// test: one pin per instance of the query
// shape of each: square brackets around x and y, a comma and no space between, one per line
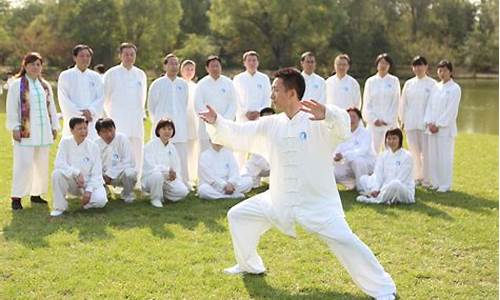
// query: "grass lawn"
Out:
[443,247]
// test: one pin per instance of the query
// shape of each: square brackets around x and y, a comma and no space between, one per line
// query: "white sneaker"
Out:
[56,213]
[442,190]
[362,198]
[129,199]
[234,270]
[156,203]
[386,297]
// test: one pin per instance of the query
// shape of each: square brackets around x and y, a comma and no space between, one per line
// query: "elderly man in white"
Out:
[298,143]
[80,91]
[341,88]
[315,84]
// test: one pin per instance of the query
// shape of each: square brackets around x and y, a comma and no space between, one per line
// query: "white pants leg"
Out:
[208,192]
[416,144]
[445,153]
[395,192]
[365,184]
[361,166]
[98,198]
[174,190]
[136,145]
[243,185]
[160,189]
[153,184]
[29,171]
[193,153]
[62,186]
[425,159]
[204,145]
[433,159]
[127,179]
[182,151]
[378,139]
[344,174]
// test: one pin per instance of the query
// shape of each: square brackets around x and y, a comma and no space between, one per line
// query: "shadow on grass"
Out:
[258,288]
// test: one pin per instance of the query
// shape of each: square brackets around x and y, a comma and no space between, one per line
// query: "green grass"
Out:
[443,247]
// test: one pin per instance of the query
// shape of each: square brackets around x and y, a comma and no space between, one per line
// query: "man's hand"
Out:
[314,108]
[210,116]
[338,157]
[80,181]
[229,189]
[172,175]
[374,194]
[16,135]
[252,115]
[86,198]
[107,179]
[378,123]
[87,114]
[433,128]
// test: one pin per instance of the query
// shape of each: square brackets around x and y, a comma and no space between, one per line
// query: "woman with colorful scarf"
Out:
[32,118]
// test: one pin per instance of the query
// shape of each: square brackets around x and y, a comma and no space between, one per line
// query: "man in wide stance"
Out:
[298,144]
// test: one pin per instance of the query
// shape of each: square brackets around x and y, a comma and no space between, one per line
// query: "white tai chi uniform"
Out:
[118,164]
[343,92]
[159,159]
[31,154]
[414,98]
[221,95]
[358,158]
[71,161]
[393,177]
[77,90]
[315,88]
[256,167]
[169,99]
[380,102]
[216,170]
[302,190]
[192,144]
[442,110]
[124,101]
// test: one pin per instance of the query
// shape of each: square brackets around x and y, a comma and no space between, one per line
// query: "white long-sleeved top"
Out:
[159,157]
[343,92]
[315,88]
[254,91]
[169,99]
[73,160]
[381,100]
[442,109]
[77,90]
[218,168]
[40,125]
[125,98]
[302,182]
[116,156]
[220,94]
[192,116]
[358,145]
[414,98]
[394,165]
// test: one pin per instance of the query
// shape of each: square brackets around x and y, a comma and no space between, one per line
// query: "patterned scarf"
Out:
[25,105]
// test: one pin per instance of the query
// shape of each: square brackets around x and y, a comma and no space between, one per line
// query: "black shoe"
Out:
[38,199]
[16,204]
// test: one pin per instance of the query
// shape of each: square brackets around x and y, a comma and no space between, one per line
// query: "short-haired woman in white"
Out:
[161,169]
[392,181]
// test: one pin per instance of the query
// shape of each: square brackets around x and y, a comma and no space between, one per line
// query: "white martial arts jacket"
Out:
[40,125]
[393,165]
[254,92]
[220,94]
[192,116]
[442,109]
[381,100]
[77,90]
[73,160]
[125,98]
[414,98]
[299,151]
[343,92]
[159,157]
[358,145]
[217,168]
[315,88]
[116,156]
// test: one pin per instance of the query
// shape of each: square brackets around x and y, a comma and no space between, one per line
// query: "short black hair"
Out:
[212,57]
[164,123]
[356,110]
[344,56]
[306,54]
[397,132]
[167,57]
[100,68]
[81,47]
[77,120]
[419,61]
[104,123]
[267,111]
[445,64]
[292,79]
[385,57]
[127,45]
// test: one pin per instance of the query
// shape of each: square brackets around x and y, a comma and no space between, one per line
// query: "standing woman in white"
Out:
[80,91]
[414,99]
[315,84]
[32,119]
[341,88]
[441,123]
[188,73]
[125,88]
[381,100]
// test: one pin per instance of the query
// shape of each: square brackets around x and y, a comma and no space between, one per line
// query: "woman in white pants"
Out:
[32,119]
[441,123]
[188,73]
[161,170]
[381,100]
[392,181]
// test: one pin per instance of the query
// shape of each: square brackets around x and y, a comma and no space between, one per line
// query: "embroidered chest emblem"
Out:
[303,135]
[259,85]
[223,90]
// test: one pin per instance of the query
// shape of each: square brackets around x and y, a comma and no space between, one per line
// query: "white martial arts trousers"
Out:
[126,179]
[390,193]
[182,152]
[256,169]
[440,154]
[348,173]
[29,171]
[378,137]
[247,222]
[244,184]
[136,145]
[161,189]
[204,144]
[193,154]
[417,144]
[62,186]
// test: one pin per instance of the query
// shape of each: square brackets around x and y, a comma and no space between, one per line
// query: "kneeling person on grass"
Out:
[78,170]
[118,165]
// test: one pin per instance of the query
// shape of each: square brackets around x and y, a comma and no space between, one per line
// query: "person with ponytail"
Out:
[32,119]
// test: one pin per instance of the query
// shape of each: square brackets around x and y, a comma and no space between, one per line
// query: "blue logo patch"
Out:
[227,166]
[346,89]
[389,85]
[303,136]
[398,163]
[316,86]
[179,88]
[86,159]
[223,90]
[259,85]
[427,90]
